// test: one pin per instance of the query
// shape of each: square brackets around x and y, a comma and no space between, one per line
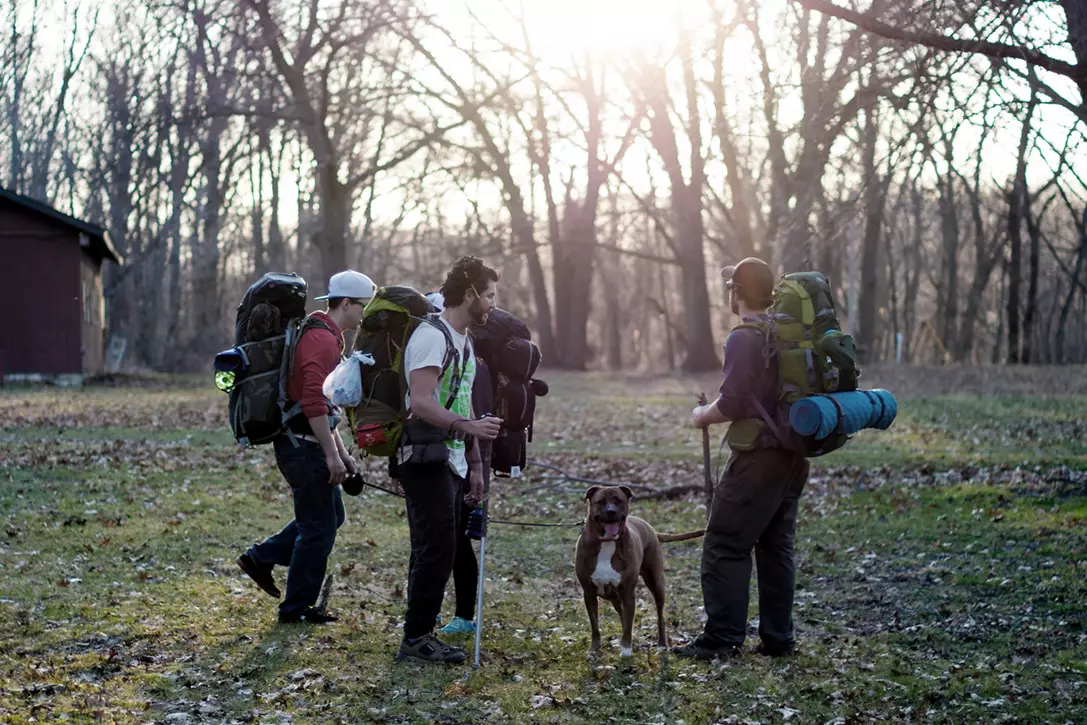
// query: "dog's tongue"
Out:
[611,531]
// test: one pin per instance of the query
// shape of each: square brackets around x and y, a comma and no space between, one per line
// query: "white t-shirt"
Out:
[426,349]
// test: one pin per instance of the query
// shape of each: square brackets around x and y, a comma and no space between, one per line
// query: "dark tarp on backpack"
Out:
[271,318]
[505,346]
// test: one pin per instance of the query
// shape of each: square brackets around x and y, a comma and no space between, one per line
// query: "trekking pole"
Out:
[322,597]
[706,458]
[479,585]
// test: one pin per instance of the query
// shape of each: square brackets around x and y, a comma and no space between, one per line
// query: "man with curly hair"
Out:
[433,461]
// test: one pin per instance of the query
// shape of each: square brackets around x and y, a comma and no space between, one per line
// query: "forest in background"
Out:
[607,157]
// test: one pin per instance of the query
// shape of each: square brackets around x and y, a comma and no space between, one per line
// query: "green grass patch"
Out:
[942,584]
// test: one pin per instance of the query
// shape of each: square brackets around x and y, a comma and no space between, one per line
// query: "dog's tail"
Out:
[665,538]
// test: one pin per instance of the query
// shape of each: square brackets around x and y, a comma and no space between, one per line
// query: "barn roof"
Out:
[97,239]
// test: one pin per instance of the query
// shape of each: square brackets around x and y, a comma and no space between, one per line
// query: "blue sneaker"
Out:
[459,625]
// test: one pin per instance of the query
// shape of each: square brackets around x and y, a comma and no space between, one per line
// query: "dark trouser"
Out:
[465,566]
[432,493]
[305,543]
[754,507]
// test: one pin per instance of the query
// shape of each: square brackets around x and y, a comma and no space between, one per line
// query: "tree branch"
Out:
[943,42]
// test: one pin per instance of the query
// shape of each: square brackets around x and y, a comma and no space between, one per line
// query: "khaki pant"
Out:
[754,507]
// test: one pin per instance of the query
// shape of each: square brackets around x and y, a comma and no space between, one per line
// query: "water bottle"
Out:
[476,524]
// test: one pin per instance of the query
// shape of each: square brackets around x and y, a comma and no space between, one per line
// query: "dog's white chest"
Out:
[605,574]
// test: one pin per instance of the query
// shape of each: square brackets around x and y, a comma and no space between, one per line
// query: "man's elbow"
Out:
[726,409]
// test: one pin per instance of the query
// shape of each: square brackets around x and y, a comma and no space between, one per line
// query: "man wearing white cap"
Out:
[319,462]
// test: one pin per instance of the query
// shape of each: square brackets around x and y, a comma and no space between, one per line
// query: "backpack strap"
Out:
[295,330]
[459,360]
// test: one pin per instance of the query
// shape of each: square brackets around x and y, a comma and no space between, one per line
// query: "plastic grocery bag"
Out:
[343,386]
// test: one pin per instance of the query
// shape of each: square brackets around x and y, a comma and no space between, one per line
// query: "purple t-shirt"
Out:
[748,372]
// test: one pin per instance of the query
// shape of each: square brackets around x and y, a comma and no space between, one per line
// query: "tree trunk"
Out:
[1014,264]
[277,246]
[874,197]
[208,323]
[574,264]
[701,352]
[331,238]
[1073,285]
[949,233]
[1034,234]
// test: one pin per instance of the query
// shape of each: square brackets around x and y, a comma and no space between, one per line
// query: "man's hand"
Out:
[475,494]
[484,428]
[349,462]
[698,419]
[337,471]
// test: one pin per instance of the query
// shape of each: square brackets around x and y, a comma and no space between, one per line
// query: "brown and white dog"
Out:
[613,550]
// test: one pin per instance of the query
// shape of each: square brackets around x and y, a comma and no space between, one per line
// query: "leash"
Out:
[489,520]
[532,523]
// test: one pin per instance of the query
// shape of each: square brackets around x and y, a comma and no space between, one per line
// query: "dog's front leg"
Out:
[626,607]
[591,606]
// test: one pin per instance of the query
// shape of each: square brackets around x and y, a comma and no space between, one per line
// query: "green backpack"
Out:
[814,356]
[388,322]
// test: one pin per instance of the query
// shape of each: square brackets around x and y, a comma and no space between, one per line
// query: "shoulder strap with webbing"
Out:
[458,360]
[766,329]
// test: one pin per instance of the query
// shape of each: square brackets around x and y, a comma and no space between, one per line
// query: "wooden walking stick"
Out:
[706,458]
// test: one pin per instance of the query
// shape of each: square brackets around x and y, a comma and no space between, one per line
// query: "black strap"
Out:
[452,357]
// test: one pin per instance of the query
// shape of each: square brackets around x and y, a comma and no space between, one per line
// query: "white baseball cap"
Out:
[351,284]
[437,299]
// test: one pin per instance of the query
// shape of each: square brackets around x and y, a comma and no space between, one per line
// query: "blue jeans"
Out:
[306,542]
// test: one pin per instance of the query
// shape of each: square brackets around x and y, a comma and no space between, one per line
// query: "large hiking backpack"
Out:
[505,345]
[271,319]
[387,324]
[814,356]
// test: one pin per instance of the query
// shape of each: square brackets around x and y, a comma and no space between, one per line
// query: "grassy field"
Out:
[943,569]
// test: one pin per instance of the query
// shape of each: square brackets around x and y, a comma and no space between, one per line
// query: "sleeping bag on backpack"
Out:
[504,344]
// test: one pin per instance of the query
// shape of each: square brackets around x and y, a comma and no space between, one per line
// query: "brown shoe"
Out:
[262,575]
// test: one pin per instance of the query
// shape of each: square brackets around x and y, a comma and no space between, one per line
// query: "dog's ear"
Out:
[626,491]
[591,492]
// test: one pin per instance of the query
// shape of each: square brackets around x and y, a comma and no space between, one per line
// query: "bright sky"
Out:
[564,31]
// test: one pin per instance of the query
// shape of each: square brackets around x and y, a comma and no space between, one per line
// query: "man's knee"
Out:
[717,547]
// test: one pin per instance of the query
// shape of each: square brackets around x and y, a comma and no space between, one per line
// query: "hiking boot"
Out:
[262,575]
[459,625]
[429,648]
[765,651]
[701,650]
[309,615]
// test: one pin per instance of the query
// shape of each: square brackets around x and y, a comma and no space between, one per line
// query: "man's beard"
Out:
[477,313]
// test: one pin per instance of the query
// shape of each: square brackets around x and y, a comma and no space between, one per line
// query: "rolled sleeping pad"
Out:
[814,416]
[821,415]
[887,409]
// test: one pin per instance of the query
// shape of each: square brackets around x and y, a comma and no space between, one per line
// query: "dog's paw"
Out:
[593,656]
[626,652]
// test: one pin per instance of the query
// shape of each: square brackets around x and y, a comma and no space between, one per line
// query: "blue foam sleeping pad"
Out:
[821,415]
